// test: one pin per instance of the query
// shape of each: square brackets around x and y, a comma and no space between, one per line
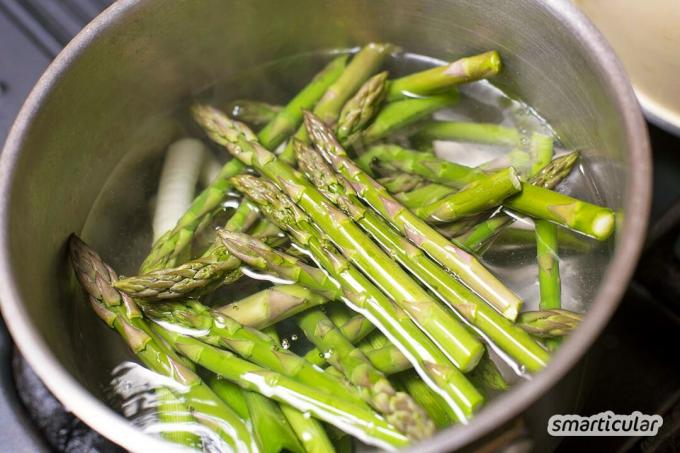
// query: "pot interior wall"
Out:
[111,111]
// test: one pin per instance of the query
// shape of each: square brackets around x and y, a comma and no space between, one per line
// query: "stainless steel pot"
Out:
[106,98]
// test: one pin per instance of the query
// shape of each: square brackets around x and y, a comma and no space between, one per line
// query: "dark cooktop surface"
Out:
[637,366]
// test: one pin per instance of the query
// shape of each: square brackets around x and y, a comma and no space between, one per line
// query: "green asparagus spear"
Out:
[487,133]
[440,325]
[388,359]
[399,114]
[270,427]
[465,350]
[402,183]
[484,193]
[360,68]
[120,312]
[548,178]
[231,394]
[252,112]
[397,407]
[581,216]
[548,265]
[487,377]
[290,117]
[464,70]
[541,152]
[358,420]
[172,244]
[426,165]
[219,330]
[272,305]
[438,280]
[436,407]
[363,297]
[424,195]
[309,431]
[549,323]
[464,265]
[362,107]
[173,413]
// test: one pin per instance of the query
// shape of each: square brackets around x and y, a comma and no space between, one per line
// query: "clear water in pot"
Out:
[123,213]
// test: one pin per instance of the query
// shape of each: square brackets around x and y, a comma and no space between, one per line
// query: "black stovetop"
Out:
[637,366]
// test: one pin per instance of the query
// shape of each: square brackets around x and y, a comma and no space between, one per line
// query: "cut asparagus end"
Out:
[603,225]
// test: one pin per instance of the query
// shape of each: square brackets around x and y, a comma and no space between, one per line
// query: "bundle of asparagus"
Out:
[383,277]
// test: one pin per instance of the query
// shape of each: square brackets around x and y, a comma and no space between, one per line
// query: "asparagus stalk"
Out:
[181,168]
[272,305]
[482,194]
[464,350]
[438,280]
[397,407]
[440,325]
[172,412]
[402,183]
[362,296]
[219,330]
[548,178]
[487,377]
[362,107]
[285,122]
[548,265]
[120,312]
[487,133]
[230,393]
[464,70]
[399,114]
[270,427]
[541,151]
[435,405]
[426,165]
[581,216]
[255,113]
[360,68]
[168,247]
[549,323]
[358,420]
[308,430]
[424,195]
[196,277]
[388,359]
[354,329]
[464,265]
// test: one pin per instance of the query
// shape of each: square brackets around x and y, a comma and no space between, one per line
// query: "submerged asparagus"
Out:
[548,178]
[219,330]
[465,302]
[355,419]
[442,327]
[488,133]
[365,298]
[399,409]
[272,305]
[168,247]
[120,312]
[255,113]
[464,70]
[484,193]
[360,68]
[549,323]
[464,265]
[363,106]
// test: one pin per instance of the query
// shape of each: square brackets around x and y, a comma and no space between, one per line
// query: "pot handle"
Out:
[659,267]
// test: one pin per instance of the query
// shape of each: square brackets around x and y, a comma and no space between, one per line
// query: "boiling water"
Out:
[122,216]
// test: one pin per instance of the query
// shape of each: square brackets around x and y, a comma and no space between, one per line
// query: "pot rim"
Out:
[115,427]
